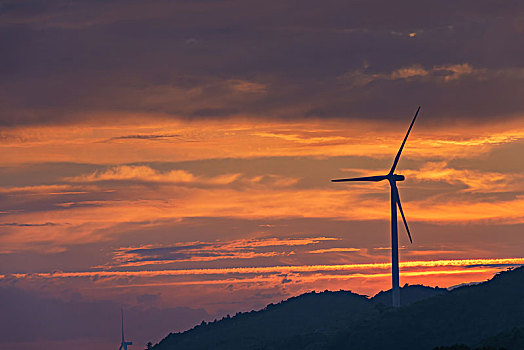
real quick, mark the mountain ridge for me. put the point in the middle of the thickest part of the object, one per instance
(429, 317)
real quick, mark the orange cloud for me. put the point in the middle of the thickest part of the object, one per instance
(82, 221)
(276, 269)
(241, 138)
(314, 278)
(334, 250)
(147, 174)
(475, 180)
(240, 283)
(208, 251)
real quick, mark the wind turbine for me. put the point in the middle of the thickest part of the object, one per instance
(124, 343)
(395, 200)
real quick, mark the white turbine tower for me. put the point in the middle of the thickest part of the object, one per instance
(395, 200)
(124, 343)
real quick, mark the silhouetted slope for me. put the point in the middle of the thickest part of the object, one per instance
(464, 315)
(343, 320)
(507, 340)
(409, 294)
(465, 347)
(297, 323)
(512, 339)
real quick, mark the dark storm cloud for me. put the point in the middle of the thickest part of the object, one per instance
(276, 59)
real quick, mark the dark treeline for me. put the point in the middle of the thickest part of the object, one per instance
(487, 316)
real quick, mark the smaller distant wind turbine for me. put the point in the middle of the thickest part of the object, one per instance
(395, 200)
(124, 343)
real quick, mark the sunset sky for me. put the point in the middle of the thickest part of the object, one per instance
(176, 157)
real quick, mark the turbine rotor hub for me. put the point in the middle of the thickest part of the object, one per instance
(396, 177)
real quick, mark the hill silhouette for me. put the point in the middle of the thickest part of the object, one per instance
(291, 324)
(409, 294)
(512, 339)
(488, 315)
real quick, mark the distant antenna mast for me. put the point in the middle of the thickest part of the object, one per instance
(124, 343)
(395, 201)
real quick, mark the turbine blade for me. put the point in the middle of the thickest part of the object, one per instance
(403, 143)
(365, 178)
(402, 213)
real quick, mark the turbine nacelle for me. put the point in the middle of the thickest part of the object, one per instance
(395, 177)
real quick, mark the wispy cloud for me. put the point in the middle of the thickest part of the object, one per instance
(271, 280)
(28, 225)
(245, 86)
(147, 174)
(304, 139)
(257, 283)
(243, 139)
(92, 220)
(465, 263)
(443, 73)
(474, 180)
(210, 251)
(334, 250)
(153, 137)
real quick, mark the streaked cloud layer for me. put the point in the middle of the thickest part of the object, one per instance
(280, 269)
(96, 200)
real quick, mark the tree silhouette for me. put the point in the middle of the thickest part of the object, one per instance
(341, 320)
